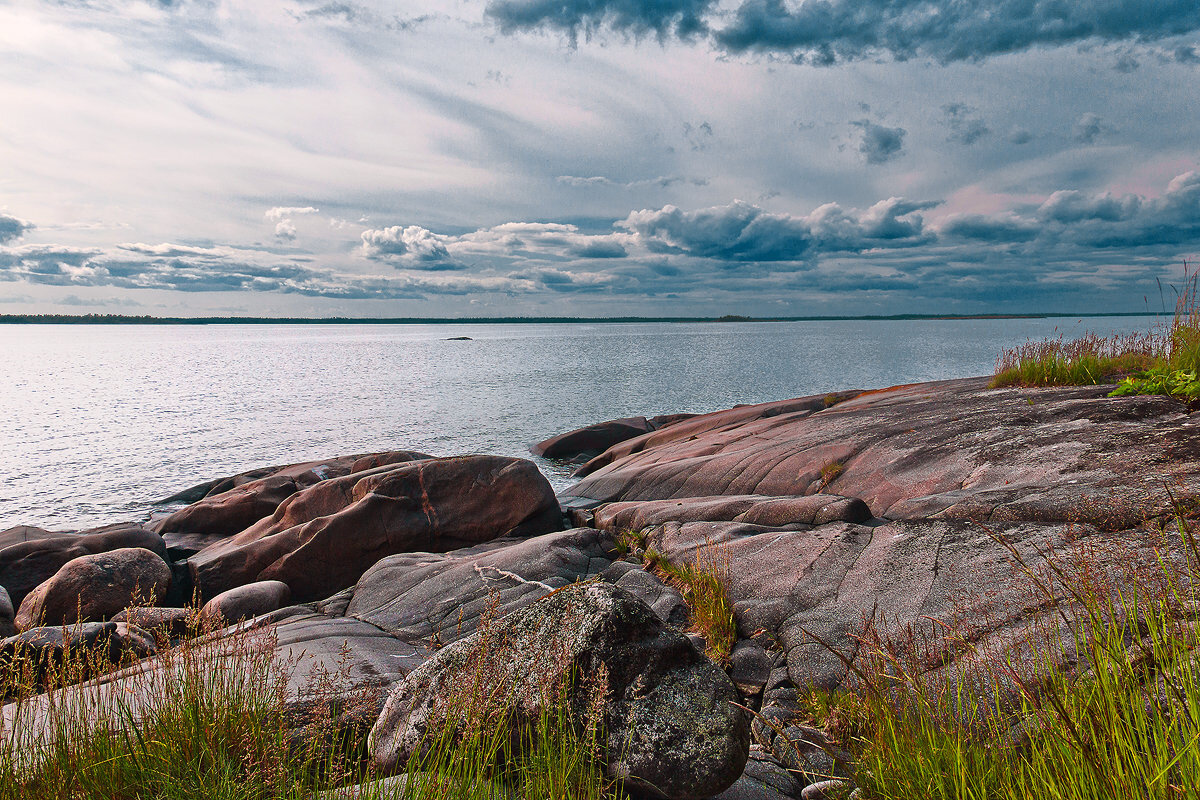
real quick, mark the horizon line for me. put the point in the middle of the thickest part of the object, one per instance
(128, 319)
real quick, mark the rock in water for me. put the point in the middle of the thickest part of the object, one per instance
(592, 440)
(321, 540)
(96, 587)
(669, 728)
(29, 561)
(245, 602)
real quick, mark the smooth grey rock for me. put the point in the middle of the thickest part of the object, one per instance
(669, 727)
(827, 790)
(95, 587)
(762, 780)
(245, 602)
(749, 667)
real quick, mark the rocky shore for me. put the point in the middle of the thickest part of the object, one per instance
(886, 512)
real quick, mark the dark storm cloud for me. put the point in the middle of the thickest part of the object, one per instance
(12, 228)
(681, 18)
(995, 229)
(601, 250)
(879, 144)
(1097, 221)
(826, 31)
(741, 232)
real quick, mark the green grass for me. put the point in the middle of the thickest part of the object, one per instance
(1123, 723)
(1165, 360)
(219, 728)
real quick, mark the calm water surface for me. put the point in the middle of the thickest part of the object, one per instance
(96, 422)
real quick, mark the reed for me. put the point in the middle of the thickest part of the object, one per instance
(1163, 360)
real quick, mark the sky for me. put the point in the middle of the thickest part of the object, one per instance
(597, 157)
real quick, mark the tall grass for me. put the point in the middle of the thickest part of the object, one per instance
(1106, 704)
(702, 584)
(1092, 360)
(211, 718)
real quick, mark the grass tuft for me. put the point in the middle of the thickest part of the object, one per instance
(1164, 360)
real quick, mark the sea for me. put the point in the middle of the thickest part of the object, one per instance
(98, 422)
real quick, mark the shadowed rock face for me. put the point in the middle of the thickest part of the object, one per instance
(669, 727)
(234, 504)
(26, 563)
(322, 539)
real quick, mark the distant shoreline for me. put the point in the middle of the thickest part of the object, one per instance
(119, 319)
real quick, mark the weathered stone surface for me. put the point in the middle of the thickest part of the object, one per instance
(952, 449)
(25, 533)
(95, 587)
(591, 440)
(1045, 470)
(320, 540)
(669, 727)
(441, 597)
(171, 622)
(25, 564)
(7, 614)
(815, 509)
(234, 504)
(245, 602)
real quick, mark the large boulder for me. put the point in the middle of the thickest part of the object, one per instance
(322, 539)
(245, 602)
(96, 587)
(669, 728)
(33, 558)
(234, 504)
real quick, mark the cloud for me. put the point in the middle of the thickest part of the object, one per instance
(662, 181)
(966, 127)
(12, 228)
(823, 32)
(1088, 128)
(413, 246)
(1019, 135)
(681, 18)
(879, 144)
(1094, 221)
(284, 212)
(285, 228)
